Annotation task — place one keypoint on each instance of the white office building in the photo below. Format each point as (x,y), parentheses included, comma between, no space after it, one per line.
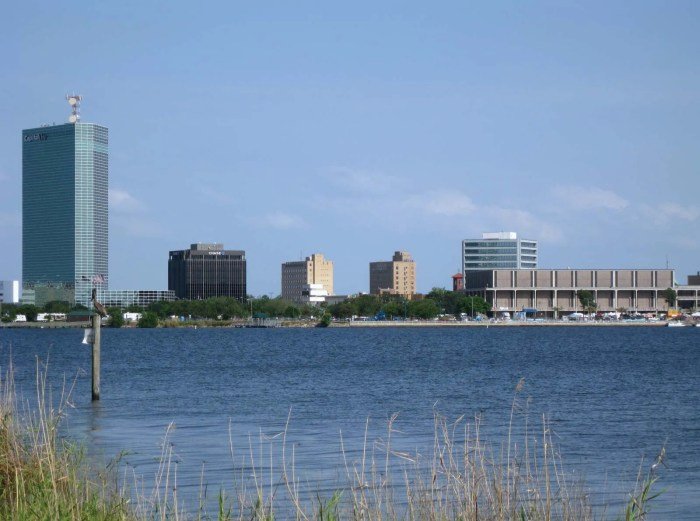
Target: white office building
(499,250)
(9,291)
(313,294)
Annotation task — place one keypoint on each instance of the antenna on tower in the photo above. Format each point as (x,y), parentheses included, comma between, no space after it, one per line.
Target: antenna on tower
(74,102)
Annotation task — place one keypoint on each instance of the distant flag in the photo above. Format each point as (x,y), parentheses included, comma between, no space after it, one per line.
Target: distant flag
(98,279)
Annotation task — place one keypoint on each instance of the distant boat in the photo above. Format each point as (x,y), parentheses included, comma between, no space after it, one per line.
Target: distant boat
(675,323)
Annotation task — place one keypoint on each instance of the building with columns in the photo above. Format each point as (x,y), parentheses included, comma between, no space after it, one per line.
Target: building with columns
(555,290)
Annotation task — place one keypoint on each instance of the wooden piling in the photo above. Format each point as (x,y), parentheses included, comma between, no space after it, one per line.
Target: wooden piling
(96,324)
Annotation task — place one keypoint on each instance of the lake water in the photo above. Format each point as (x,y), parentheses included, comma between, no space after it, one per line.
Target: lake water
(613,395)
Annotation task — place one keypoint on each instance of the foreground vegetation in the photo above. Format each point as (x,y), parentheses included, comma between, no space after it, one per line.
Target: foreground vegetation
(42,476)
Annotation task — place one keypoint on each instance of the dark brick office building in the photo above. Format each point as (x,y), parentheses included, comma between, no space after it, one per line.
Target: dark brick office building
(207,270)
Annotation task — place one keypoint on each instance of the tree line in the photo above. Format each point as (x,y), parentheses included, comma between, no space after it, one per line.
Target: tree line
(438,302)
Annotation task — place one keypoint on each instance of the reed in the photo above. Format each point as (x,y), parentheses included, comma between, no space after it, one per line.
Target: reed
(462,477)
(43,476)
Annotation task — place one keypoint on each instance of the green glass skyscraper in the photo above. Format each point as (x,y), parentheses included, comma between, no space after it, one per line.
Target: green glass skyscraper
(64,212)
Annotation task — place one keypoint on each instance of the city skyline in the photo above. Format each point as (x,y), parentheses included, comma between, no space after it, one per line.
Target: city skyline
(285,129)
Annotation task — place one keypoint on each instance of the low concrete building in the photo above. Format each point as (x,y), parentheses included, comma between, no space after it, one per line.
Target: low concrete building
(688,296)
(554,290)
(394,277)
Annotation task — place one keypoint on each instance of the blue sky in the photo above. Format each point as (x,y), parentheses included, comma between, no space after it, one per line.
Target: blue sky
(357,129)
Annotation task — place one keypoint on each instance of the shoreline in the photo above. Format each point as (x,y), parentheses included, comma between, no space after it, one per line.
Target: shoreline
(356,324)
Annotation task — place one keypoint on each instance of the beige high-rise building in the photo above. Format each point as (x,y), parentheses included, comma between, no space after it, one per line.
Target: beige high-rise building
(396,277)
(297,274)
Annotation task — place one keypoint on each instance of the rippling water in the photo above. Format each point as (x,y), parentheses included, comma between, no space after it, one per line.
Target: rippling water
(613,395)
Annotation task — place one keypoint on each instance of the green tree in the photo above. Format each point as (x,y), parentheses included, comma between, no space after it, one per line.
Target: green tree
(9,312)
(425,308)
(367,305)
(28,310)
(670,296)
(588,303)
(325,320)
(393,308)
(342,310)
(292,312)
(474,305)
(116,318)
(148,319)
(57,306)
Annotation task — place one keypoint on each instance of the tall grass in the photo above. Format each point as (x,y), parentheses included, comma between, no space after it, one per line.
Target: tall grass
(462,477)
(43,476)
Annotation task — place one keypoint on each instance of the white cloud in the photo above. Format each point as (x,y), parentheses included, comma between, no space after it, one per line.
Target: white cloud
(282,221)
(583,197)
(442,202)
(525,223)
(677,211)
(123,201)
(364,181)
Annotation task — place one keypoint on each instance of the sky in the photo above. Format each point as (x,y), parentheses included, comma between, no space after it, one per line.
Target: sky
(355,129)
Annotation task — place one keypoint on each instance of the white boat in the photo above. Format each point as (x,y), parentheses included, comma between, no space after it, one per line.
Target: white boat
(675,323)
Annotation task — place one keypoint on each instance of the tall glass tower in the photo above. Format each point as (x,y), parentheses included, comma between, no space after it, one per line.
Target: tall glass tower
(64,211)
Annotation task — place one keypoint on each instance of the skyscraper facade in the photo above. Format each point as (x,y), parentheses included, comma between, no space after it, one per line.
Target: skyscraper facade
(64,212)
(207,270)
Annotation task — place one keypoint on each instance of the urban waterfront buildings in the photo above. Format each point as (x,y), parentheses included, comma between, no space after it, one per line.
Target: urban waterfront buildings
(554,291)
(300,278)
(501,250)
(9,291)
(64,211)
(395,277)
(207,270)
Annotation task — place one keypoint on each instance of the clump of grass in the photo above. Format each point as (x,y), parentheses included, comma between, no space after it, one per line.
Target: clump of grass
(43,476)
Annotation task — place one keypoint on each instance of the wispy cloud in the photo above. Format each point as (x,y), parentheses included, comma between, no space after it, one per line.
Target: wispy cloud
(216,196)
(441,202)
(363,181)
(282,221)
(122,201)
(678,211)
(527,224)
(583,197)
(391,196)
